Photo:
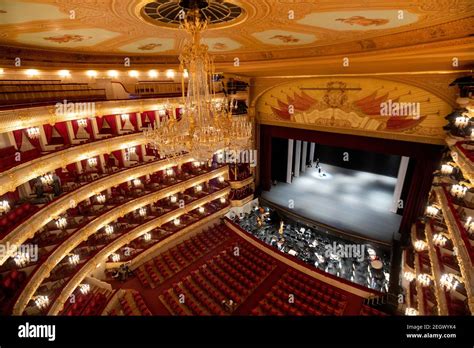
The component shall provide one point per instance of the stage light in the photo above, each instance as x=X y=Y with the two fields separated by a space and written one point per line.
x=91 y=73
x=133 y=73
x=153 y=74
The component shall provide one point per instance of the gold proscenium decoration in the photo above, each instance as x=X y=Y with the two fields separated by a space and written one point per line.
x=205 y=124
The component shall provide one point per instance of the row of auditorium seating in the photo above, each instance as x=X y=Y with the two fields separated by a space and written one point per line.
x=132 y=303
x=298 y=294
x=86 y=305
x=369 y=311
x=225 y=277
x=30 y=98
x=155 y=271
x=16 y=216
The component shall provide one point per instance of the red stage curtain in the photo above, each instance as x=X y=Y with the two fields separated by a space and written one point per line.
x=62 y=130
x=18 y=138
x=112 y=123
x=48 y=131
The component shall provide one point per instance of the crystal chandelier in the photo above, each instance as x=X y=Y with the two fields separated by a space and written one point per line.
x=205 y=124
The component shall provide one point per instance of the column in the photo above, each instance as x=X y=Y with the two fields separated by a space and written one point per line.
x=297 y=158
x=402 y=171
x=289 y=163
x=311 y=153
x=304 y=155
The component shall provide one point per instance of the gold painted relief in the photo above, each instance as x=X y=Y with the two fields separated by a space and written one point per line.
x=372 y=106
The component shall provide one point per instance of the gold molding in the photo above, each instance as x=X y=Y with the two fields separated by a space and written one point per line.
x=464 y=261
x=242 y=202
x=94 y=225
x=14 y=119
x=239 y=184
x=101 y=256
x=20 y=174
x=28 y=228
x=463 y=163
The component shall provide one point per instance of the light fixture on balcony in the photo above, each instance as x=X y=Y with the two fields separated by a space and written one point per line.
x=4 y=207
x=162 y=112
x=469 y=225
x=461 y=121
x=64 y=73
x=21 y=259
x=439 y=239
x=409 y=276
x=61 y=223
x=176 y=222
x=173 y=199
x=196 y=164
x=84 y=288
x=450 y=281
x=132 y=150
x=109 y=229
x=137 y=182
x=91 y=73
x=221 y=179
x=33 y=132
x=222 y=200
x=170 y=74
x=447 y=169
x=82 y=122
x=432 y=210
x=125 y=117
x=201 y=210
x=458 y=190
x=31 y=72
x=41 y=301
x=133 y=73
x=115 y=257
x=92 y=162
x=424 y=279
x=147 y=237
x=47 y=179
x=169 y=172
x=100 y=198
x=420 y=245
x=142 y=212
x=112 y=73
x=73 y=259
x=198 y=188
x=411 y=311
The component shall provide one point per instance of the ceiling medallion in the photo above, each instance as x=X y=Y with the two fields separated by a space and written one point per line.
x=172 y=12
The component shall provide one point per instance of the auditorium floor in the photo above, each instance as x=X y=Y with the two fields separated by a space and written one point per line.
x=349 y=200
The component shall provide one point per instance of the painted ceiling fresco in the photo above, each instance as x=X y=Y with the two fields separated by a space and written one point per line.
x=107 y=26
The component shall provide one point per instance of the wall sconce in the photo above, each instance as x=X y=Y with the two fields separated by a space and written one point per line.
x=132 y=149
x=133 y=73
x=125 y=117
x=447 y=169
x=91 y=73
x=169 y=172
x=222 y=200
x=84 y=288
x=73 y=259
x=112 y=73
x=411 y=311
x=41 y=301
x=31 y=72
x=221 y=179
x=439 y=240
x=458 y=190
x=61 y=223
x=100 y=198
x=115 y=257
x=33 y=132
x=196 y=164
x=173 y=199
x=420 y=245
x=424 y=279
x=4 y=207
x=109 y=229
x=47 y=179
x=409 y=276
x=142 y=212
x=450 y=281
x=198 y=188
x=461 y=121
x=147 y=237
x=432 y=210
x=82 y=122
x=201 y=210
x=176 y=222
x=92 y=162
x=153 y=74
x=137 y=182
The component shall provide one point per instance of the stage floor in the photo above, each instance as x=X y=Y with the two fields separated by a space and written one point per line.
x=353 y=201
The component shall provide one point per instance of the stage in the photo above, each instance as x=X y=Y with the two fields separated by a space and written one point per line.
x=352 y=201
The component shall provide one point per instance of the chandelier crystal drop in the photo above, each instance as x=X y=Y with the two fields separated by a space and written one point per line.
x=205 y=123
